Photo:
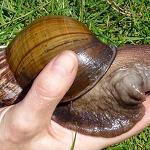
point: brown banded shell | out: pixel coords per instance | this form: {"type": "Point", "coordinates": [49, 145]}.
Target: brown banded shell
{"type": "Point", "coordinates": [36, 45]}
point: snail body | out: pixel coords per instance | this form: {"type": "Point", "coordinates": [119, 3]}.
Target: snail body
{"type": "Point", "coordinates": [114, 105]}
{"type": "Point", "coordinates": [107, 94]}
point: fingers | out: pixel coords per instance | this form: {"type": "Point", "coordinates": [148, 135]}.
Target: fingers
{"type": "Point", "coordinates": [51, 85]}
{"type": "Point", "coordinates": [47, 90]}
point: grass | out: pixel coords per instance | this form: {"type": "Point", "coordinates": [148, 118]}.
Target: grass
{"type": "Point", "coordinates": [140, 142]}
{"type": "Point", "coordinates": [74, 141]}
{"type": "Point", "coordinates": [117, 22]}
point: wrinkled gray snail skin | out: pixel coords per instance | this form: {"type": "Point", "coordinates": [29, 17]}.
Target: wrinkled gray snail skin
{"type": "Point", "coordinates": [114, 105]}
{"type": "Point", "coordinates": [106, 97]}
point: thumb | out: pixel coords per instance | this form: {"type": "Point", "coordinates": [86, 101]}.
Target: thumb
{"type": "Point", "coordinates": [47, 90]}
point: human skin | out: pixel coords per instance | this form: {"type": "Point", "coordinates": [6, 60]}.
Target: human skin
{"type": "Point", "coordinates": [28, 125]}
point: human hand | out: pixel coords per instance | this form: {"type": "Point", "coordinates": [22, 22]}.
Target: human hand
{"type": "Point", "coordinates": [28, 125]}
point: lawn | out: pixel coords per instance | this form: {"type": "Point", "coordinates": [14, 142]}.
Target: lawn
{"type": "Point", "coordinates": [116, 22]}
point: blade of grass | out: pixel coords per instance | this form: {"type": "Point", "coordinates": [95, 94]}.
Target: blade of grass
{"type": "Point", "coordinates": [73, 143]}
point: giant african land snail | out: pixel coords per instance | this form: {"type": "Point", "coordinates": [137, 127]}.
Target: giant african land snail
{"type": "Point", "coordinates": [106, 97]}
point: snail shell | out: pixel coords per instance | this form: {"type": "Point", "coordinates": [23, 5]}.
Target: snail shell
{"type": "Point", "coordinates": [35, 46]}
{"type": "Point", "coordinates": [9, 89]}
{"type": "Point", "coordinates": [106, 107]}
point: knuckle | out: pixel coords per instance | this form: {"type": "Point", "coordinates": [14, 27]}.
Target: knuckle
{"type": "Point", "coordinates": [47, 90]}
{"type": "Point", "coordinates": [15, 129]}
{"type": "Point", "coordinates": [19, 126]}
{"type": "Point", "coordinates": [16, 133]}
{"type": "Point", "coordinates": [41, 90]}
{"type": "Point", "coordinates": [19, 130]}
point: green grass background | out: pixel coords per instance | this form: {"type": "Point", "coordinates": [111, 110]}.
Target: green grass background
{"type": "Point", "coordinates": [116, 22]}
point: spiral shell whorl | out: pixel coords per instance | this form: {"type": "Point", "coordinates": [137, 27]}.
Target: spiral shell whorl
{"type": "Point", "coordinates": [9, 89]}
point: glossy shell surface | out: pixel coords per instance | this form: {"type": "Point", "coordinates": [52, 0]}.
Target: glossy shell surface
{"type": "Point", "coordinates": [36, 45]}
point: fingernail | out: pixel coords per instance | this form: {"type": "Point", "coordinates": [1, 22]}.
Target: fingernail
{"type": "Point", "coordinates": [64, 64]}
